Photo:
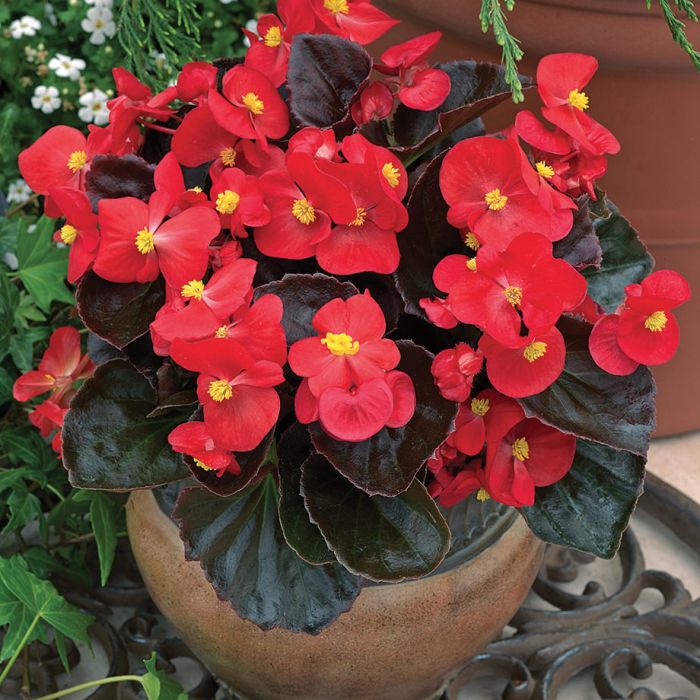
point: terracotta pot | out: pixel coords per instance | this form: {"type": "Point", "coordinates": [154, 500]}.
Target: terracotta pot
{"type": "Point", "coordinates": [648, 93]}
{"type": "Point", "coordinates": [400, 641]}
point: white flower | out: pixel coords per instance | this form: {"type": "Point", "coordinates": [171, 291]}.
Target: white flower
{"type": "Point", "coordinates": [46, 99]}
{"type": "Point", "coordinates": [18, 192]}
{"type": "Point", "coordinates": [252, 26]}
{"type": "Point", "coordinates": [227, 2]}
{"type": "Point", "coordinates": [50, 14]}
{"type": "Point", "coordinates": [99, 24]}
{"type": "Point", "coordinates": [10, 259]}
{"type": "Point", "coordinates": [100, 3]}
{"type": "Point", "coordinates": [94, 107]}
{"type": "Point", "coordinates": [66, 67]}
{"type": "Point", "coordinates": [25, 26]}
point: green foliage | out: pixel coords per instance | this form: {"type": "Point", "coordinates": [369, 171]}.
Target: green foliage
{"type": "Point", "coordinates": [157, 685]}
{"type": "Point", "coordinates": [676, 25]}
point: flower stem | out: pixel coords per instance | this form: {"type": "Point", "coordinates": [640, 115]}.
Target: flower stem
{"type": "Point", "coordinates": [20, 646]}
{"type": "Point", "coordinates": [91, 684]}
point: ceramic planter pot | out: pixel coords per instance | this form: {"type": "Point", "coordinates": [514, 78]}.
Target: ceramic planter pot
{"type": "Point", "coordinates": [648, 93]}
{"type": "Point", "coordinates": [400, 641]}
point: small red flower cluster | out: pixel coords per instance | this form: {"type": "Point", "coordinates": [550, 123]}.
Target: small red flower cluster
{"type": "Point", "coordinates": [642, 330]}
{"type": "Point", "coordinates": [60, 370]}
{"type": "Point", "coordinates": [573, 156]}
{"type": "Point", "coordinates": [350, 384]}
{"type": "Point", "coordinates": [521, 453]}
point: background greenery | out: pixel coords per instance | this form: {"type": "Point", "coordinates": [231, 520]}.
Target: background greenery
{"type": "Point", "coordinates": [49, 531]}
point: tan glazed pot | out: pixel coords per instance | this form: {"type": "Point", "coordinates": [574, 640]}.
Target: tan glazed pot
{"type": "Point", "coordinates": [398, 642]}
{"type": "Point", "coordinates": [648, 93]}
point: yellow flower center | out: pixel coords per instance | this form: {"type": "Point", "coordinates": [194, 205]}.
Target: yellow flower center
{"type": "Point", "coordinates": [221, 332]}
{"type": "Point", "coordinates": [201, 465]}
{"type": "Point", "coordinates": [228, 156]}
{"type": "Point", "coordinates": [336, 6]}
{"type": "Point", "coordinates": [360, 217]}
{"type": "Point", "coordinates": [76, 161]}
{"type": "Point", "coordinates": [514, 295]}
{"type": "Point", "coordinates": [535, 350]}
{"type": "Point", "coordinates": [495, 200]}
{"type": "Point", "coordinates": [482, 495]}
{"type": "Point", "coordinates": [68, 233]}
{"type": "Point", "coordinates": [194, 289]}
{"type": "Point", "coordinates": [144, 241]}
{"type": "Point", "coordinates": [196, 189]}
{"type": "Point", "coordinates": [227, 202]}
{"type": "Point", "coordinates": [471, 241]}
{"type": "Point", "coordinates": [220, 390]}
{"type": "Point", "coordinates": [656, 322]}
{"type": "Point", "coordinates": [273, 37]}
{"type": "Point", "coordinates": [546, 171]}
{"type": "Point", "coordinates": [471, 264]}
{"type": "Point", "coordinates": [303, 211]}
{"type": "Point", "coordinates": [340, 344]}
{"type": "Point", "coordinates": [578, 99]}
{"type": "Point", "coordinates": [521, 450]}
{"type": "Point", "coordinates": [253, 103]}
{"type": "Point", "coordinates": [480, 407]}
{"type": "Point", "coordinates": [391, 174]}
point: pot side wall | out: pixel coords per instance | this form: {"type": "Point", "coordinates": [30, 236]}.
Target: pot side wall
{"type": "Point", "coordinates": [647, 93]}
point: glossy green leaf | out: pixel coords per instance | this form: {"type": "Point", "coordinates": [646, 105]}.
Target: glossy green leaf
{"type": "Point", "coordinates": [41, 265]}
{"type": "Point", "coordinates": [239, 543]}
{"type": "Point", "coordinates": [590, 507]}
{"type": "Point", "coordinates": [104, 518]}
{"type": "Point", "coordinates": [592, 404]}
{"type": "Point", "coordinates": [301, 534]}
{"type": "Point", "coordinates": [625, 258]}
{"type": "Point", "coordinates": [108, 440]}
{"type": "Point", "coordinates": [381, 538]}
{"type": "Point", "coordinates": [387, 463]}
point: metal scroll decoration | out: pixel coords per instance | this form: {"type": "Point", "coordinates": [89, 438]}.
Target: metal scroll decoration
{"type": "Point", "coordinates": [609, 635]}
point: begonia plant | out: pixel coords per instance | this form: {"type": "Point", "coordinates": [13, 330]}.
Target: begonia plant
{"type": "Point", "coordinates": [333, 312]}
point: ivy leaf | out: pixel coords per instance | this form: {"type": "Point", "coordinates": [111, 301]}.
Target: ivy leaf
{"type": "Point", "coordinates": [118, 313]}
{"type": "Point", "coordinates": [24, 507]}
{"type": "Point", "coordinates": [239, 543]}
{"type": "Point", "coordinates": [302, 296]}
{"type": "Point", "coordinates": [325, 73]}
{"type": "Point", "coordinates": [24, 596]}
{"type": "Point", "coordinates": [41, 265]}
{"type": "Point", "coordinates": [109, 442]}
{"type": "Point", "coordinates": [6, 382]}
{"type": "Point", "coordinates": [301, 534]}
{"type": "Point", "coordinates": [384, 539]}
{"type": "Point", "coordinates": [592, 404]}
{"type": "Point", "coordinates": [387, 463]}
{"type": "Point", "coordinates": [105, 514]}
{"type": "Point", "coordinates": [625, 258]}
{"type": "Point", "coordinates": [9, 299]}
{"type": "Point", "coordinates": [426, 240]}
{"type": "Point", "coordinates": [590, 507]}
{"type": "Point", "coordinates": [158, 685]}
{"type": "Point", "coordinates": [475, 88]}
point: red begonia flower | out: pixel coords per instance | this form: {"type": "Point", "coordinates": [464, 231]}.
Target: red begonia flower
{"type": "Point", "coordinates": [528, 368]}
{"type": "Point", "coordinates": [523, 280]}
{"type": "Point", "coordinates": [356, 20]}
{"type": "Point", "coordinates": [250, 106]}
{"type": "Point", "coordinates": [195, 80]}
{"type": "Point", "coordinates": [561, 78]}
{"type": "Point", "coordinates": [240, 406]}
{"type": "Point", "coordinates": [454, 370]}
{"type": "Point", "coordinates": [79, 232]}
{"type": "Point", "coordinates": [49, 416]}
{"type": "Point", "coordinates": [438, 312]}
{"type": "Point", "coordinates": [203, 308]}
{"type": "Point", "coordinates": [482, 181]}
{"type": "Point", "coordinates": [136, 244]}
{"type": "Point", "coordinates": [375, 104]}
{"type": "Point", "coordinates": [452, 489]}
{"type": "Point", "coordinates": [646, 331]}
{"type": "Point", "coordinates": [319, 143]}
{"type": "Point", "coordinates": [418, 86]}
{"type": "Point", "coordinates": [349, 348]}
{"type": "Point", "coordinates": [61, 365]}
{"type": "Point", "coordinates": [366, 243]}
{"type": "Point", "coordinates": [194, 439]}
{"type": "Point", "coordinates": [239, 201]}
{"type": "Point", "coordinates": [58, 158]}
{"type": "Point", "coordinates": [527, 454]}
{"type": "Point", "coordinates": [269, 48]}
